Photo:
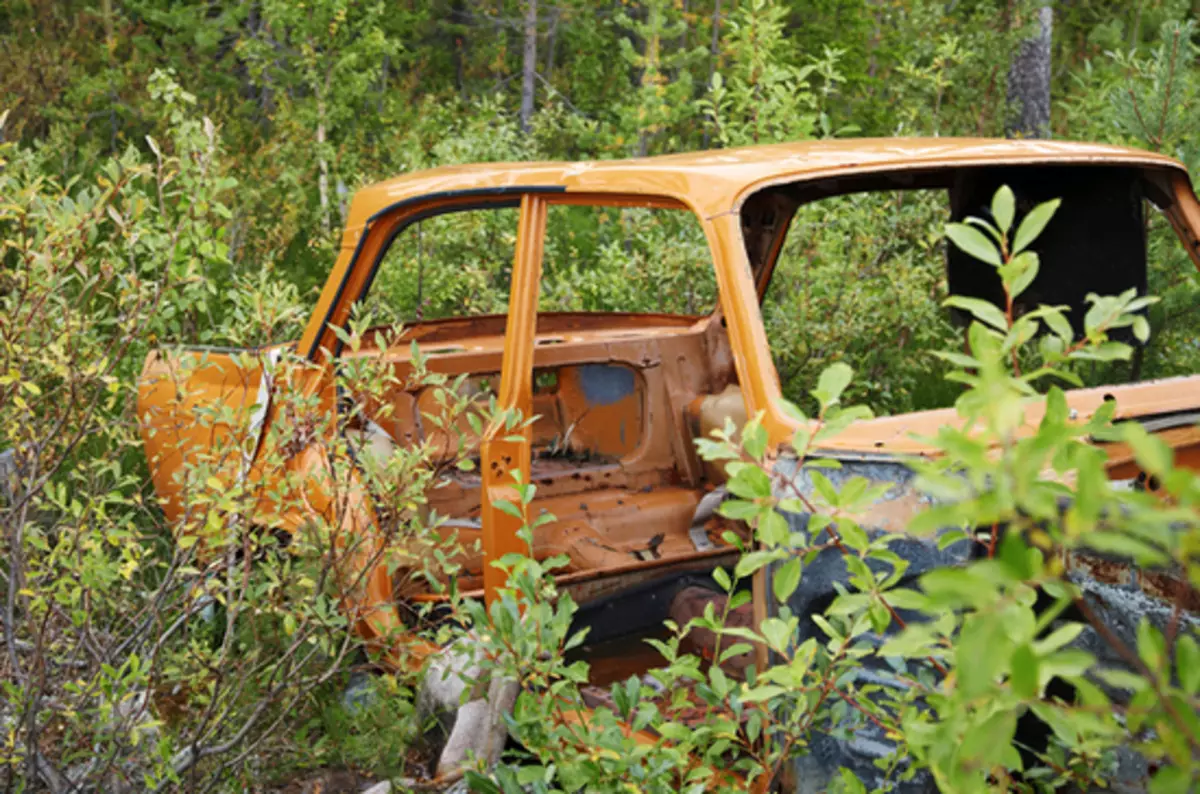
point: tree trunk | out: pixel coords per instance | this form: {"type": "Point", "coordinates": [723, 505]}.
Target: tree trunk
{"type": "Point", "coordinates": [322, 160]}
{"type": "Point", "coordinates": [323, 167]}
{"type": "Point", "coordinates": [459, 41]}
{"type": "Point", "coordinates": [551, 39]}
{"type": "Point", "coordinates": [713, 50]}
{"type": "Point", "coordinates": [873, 44]}
{"type": "Point", "coordinates": [529, 67]}
{"type": "Point", "coordinates": [1029, 80]}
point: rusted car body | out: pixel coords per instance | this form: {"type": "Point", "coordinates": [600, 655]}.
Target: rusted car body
{"type": "Point", "coordinates": [640, 388]}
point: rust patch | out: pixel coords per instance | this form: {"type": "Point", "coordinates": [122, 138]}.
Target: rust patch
{"type": "Point", "coordinates": [1157, 584]}
{"type": "Point", "coordinates": [1102, 570]}
{"type": "Point", "coordinates": [1170, 588]}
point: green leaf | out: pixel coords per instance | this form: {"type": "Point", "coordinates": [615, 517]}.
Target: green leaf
{"type": "Point", "coordinates": [980, 654]}
{"type": "Point", "coordinates": [1033, 224]}
{"type": "Point", "coordinates": [773, 529]}
{"type": "Point", "coordinates": [1125, 545]}
{"type": "Point", "coordinates": [1187, 662]}
{"type": "Point", "coordinates": [1063, 635]}
{"type": "Point", "coordinates": [511, 509]}
{"type": "Point", "coordinates": [754, 438]}
{"type": "Point", "coordinates": [530, 774]}
{"type": "Point", "coordinates": [989, 737]}
{"type": "Point", "coordinates": [737, 649]}
{"type": "Point", "coordinates": [1152, 453]}
{"type": "Point", "coordinates": [1141, 328]}
{"type": "Point", "coordinates": [721, 577]}
{"type": "Point", "coordinates": [1121, 679]}
{"type": "Point", "coordinates": [1004, 208]}
{"type": "Point", "coordinates": [1024, 674]}
{"type": "Point", "coordinates": [918, 639]}
{"type": "Point", "coordinates": [950, 537]}
{"type": "Point", "coordinates": [974, 242]}
{"type": "Point", "coordinates": [832, 382]}
{"type": "Point", "coordinates": [853, 535]}
{"type": "Point", "coordinates": [785, 579]}
{"type": "Point", "coordinates": [777, 634]}
{"type": "Point", "coordinates": [1059, 325]}
{"type": "Point", "coordinates": [751, 562]}
{"type": "Point", "coordinates": [1151, 646]}
{"type": "Point", "coordinates": [1171, 780]}
{"type": "Point", "coordinates": [980, 309]}
{"type": "Point", "coordinates": [850, 784]}
{"type": "Point", "coordinates": [1020, 272]}
{"type": "Point", "coordinates": [824, 488]}
{"type": "Point", "coordinates": [750, 482]}
{"type": "Point", "coordinates": [479, 783]}
{"type": "Point", "coordinates": [1108, 351]}
{"type": "Point", "coordinates": [761, 693]}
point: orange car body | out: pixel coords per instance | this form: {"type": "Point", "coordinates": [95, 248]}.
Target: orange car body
{"type": "Point", "coordinates": [732, 344]}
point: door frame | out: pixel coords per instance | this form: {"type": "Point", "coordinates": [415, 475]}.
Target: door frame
{"type": "Point", "coordinates": [505, 452]}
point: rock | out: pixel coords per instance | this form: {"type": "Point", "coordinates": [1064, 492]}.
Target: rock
{"type": "Point", "coordinates": [379, 788]}
{"type": "Point", "coordinates": [479, 729]}
{"type": "Point", "coordinates": [689, 603]}
{"type": "Point", "coordinates": [359, 694]}
{"type": "Point", "coordinates": [469, 704]}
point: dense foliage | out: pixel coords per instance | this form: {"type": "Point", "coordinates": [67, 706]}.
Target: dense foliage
{"type": "Point", "coordinates": [178, 172]}
{"type": "Point", "coordinates": [310, 101]}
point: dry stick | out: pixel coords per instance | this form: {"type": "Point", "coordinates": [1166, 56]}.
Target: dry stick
{"type": "Point", "coordinates": [206, 721]}
{"type": "Point", "coordinates": [759, 601]}
{"type": "Point", "coordinates": [305, 687]}
{"type": "Point", "coordinates": [187, 758]}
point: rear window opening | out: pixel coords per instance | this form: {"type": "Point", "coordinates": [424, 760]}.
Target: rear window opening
{"type": "Point", "coordinates": [862, 269]}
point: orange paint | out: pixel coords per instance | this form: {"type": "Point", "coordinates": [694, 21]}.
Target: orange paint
{"type": "Point", "coordinates": [644, 477]}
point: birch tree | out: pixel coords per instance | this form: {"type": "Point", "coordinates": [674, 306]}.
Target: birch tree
{"type": "Point", "coordinates": [529, 63]}
{"type": "Point", "coordinates": [328, 55]}
{"type": "Point", "coordinates": [1029, 78]}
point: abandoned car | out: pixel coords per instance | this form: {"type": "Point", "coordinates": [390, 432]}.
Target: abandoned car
{"type": "Point", "coordinates": [618, 398]}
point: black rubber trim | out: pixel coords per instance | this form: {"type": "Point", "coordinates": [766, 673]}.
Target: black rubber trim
{"type": "Point", "coordinates": [514, 190]}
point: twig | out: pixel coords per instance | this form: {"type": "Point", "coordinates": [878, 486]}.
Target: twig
{"type": "Point", "coordinates": [1126, 653]}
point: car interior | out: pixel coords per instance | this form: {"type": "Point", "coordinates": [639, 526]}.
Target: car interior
{"type": "Point", "coordinates": [620, 398]}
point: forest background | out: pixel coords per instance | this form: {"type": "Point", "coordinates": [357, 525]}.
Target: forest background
{"type": "Point", "coordinates": [178, 172]}
{"type": "Point", "coordinates": [311, 100]}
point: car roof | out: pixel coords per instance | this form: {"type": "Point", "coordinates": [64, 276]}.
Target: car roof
{"type": "Point", "coordinates": [714, 181]}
